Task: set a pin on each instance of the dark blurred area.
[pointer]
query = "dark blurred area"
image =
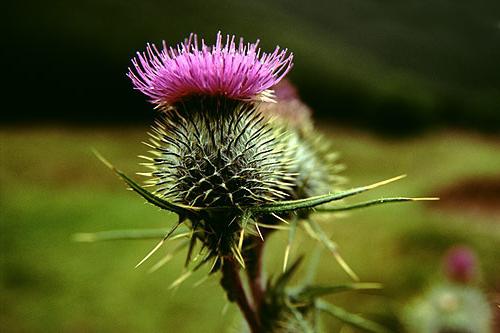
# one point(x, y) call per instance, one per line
point(390, 66)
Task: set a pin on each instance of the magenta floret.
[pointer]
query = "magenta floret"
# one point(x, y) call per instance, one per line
point(460, 264)
point(235, 70)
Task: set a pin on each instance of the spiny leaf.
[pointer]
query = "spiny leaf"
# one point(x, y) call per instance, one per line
point(202, 262)
point(240, 240)
point(291, 205)
point(179, 222)
point(276, 207)
point(163, 261)
point(201, 281)
point(330, 245)
point(130, 234)
point(311, 292)
point(371, 203)
point(192, 243)
point(180, 279)
point(273, 227)
point(284, 278)
point(150, 197)
point(256, 225)
point(304, 325)
point(313, 265)
point(279, 218)
point(238, 256)
point(291, 237)
point(350, 318)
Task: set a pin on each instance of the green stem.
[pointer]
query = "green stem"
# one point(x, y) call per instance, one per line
point(255, 274)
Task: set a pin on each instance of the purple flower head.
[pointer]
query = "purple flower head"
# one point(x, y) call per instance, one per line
point(286, 91)
point(289, 107)
point(235, 70)
point(460, 264)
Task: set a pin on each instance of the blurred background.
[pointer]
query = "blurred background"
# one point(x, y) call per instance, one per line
point(399, 87)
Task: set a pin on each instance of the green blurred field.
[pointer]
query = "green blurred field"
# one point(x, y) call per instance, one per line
point(52, 186)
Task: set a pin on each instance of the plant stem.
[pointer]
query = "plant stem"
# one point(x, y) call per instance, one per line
point(231, 282)
point(255, 274)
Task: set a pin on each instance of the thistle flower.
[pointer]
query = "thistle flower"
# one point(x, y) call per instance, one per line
point(289, 108)
point(315, 162)
point(449, 308)
point(232, 69)
point(460, 264)
point(225, 168)
point(285, 90)
point(451, 305)
point(214, 148)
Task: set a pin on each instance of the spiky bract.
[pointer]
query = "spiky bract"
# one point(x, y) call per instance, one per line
point(315, 163)
point(213, 152)
point(293, 113)
point(216, 152)
point(317, 167)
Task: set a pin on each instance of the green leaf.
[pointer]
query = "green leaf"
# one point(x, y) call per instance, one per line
point(180, 209)
point(320, 235)
point(304, 325)
point(291, 237)
point(130, 234)
point(160, 243)
point(284, 278)
point(312, 267)
point(312, 292)
point(169, 256)
point(203, 261)
point(350, 318)
point(375, 202)
point(189, 254)
point(291, 205)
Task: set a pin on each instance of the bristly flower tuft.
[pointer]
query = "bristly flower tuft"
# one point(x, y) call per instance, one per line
point(236, 70)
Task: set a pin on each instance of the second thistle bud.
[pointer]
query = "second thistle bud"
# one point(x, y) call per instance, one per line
point(460, 264)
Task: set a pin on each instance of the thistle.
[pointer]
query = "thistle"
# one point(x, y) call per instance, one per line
point(231, 173)
point(212, 147)
point(449, 308)
point(452, 304)
point(460, 265)
point(315, 162)
point(289, 108)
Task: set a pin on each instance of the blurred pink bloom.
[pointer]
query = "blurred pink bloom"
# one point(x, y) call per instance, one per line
point(460, 264)
point(285, 91)
point(289, 107)
point(235, 70)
